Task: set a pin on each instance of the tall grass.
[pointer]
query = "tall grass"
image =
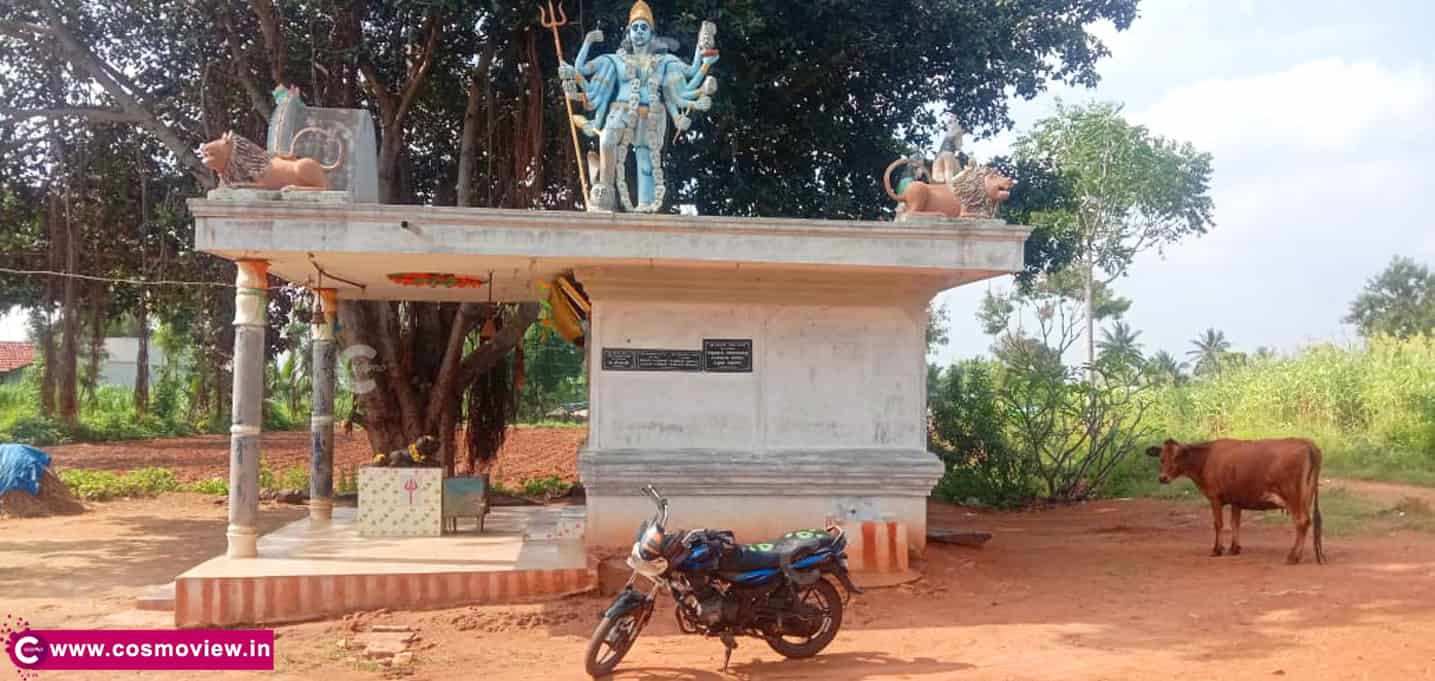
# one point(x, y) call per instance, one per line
point(14, 397)
point(1371, 409)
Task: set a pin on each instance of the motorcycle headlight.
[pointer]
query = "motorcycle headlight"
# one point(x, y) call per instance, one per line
point(647, 567)
point(649, 545)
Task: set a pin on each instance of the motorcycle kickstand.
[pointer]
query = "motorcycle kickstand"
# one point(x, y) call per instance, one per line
point(729, 644)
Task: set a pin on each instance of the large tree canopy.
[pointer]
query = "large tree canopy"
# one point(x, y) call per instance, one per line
point(1400, 301)
point(814, 99)
point(1129, 191)
point(111, 99)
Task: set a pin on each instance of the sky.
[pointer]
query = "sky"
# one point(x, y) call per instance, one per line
point(1319, 115)
point(12, 326)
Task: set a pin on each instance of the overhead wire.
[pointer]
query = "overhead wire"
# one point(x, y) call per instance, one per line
point(117, 280)
point(150, 283)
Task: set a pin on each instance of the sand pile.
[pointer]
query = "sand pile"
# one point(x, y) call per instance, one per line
point(54, 499)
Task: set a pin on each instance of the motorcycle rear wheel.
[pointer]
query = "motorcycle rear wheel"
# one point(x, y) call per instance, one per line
point(830, 603)
point(626, 628)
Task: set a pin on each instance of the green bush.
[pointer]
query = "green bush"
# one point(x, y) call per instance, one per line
point(108, 417)
point(539, 487)
point(167, 401)
point(153, 480)
point(346, 482)
point(93, 485)
point(277, 416)
point(1140, 476)
point(967, 434)
point(214, 486)
point(34, 430)
point(551, 424)
point(104, 485)
point(294, 478)
point(16, 398)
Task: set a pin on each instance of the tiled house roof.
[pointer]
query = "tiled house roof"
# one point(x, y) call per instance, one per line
point(15, 355)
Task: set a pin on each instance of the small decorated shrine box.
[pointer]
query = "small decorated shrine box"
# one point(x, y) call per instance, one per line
point(400, 502)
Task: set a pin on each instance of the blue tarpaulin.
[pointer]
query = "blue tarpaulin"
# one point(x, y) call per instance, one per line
point(21, 467)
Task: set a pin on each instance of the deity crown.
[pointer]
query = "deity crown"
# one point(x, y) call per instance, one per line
point(641, 10)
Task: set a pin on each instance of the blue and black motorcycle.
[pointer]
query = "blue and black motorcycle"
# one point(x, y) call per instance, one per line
point(779, 592)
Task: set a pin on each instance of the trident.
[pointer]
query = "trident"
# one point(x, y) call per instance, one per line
point(552, 20)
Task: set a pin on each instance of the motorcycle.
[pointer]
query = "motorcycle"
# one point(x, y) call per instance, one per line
point(779, 592)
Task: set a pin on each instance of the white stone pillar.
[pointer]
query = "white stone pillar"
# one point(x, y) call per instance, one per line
point(321, 467)
point(250, 304)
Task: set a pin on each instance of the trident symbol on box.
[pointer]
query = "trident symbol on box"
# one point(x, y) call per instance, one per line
point(411, 485)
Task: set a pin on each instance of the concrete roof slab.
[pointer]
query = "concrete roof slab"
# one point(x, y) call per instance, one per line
point(366, 242)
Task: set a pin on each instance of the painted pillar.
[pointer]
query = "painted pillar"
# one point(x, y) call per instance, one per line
point(250, 302)
point(321, 464)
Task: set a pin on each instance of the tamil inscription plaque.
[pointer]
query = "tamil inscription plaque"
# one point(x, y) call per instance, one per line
point(619, 359)
point(727, 355)
point(635, 359)
point(719, 355)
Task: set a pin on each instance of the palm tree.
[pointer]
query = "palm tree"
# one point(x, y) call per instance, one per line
point(1163, 367)
point(1119, 344)
point(1211, 349)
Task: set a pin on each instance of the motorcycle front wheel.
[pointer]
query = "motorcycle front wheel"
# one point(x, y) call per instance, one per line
point(615, 635)
point(822, 597)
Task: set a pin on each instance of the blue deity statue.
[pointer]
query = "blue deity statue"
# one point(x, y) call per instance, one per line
point(630, 95)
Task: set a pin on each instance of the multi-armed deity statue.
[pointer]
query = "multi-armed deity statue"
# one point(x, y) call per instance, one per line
point(629, 96)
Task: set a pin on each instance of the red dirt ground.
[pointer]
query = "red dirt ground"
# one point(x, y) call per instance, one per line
point(527, 453)
point(1106, 590)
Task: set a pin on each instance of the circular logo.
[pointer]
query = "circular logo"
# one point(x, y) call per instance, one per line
point(27, 650)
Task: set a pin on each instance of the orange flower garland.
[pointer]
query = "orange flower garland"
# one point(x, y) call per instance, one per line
point(436, 280)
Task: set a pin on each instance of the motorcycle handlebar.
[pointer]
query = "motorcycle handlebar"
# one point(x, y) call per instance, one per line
point(658, 499)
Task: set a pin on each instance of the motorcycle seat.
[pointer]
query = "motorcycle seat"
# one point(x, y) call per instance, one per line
point(769, 554)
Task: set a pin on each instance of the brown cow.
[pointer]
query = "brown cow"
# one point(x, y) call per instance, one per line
point(1258, 475)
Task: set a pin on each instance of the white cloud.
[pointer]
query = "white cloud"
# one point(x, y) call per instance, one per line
point(1320, 106)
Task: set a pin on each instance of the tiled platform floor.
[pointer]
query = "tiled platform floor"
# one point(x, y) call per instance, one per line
point(304, 573)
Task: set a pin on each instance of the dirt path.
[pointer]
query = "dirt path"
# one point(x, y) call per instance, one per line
point(1109, 590)
point(86, 570)
point(1385, 493)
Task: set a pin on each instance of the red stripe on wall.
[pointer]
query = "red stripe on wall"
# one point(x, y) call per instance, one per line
point(896, 558)
point(869, 546)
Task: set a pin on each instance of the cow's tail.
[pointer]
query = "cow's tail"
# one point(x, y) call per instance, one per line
point(1315, 503)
